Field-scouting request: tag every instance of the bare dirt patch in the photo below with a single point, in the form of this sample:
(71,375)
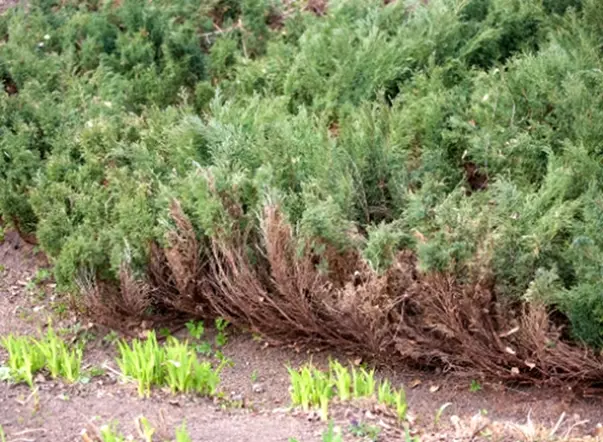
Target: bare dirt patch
(5,4)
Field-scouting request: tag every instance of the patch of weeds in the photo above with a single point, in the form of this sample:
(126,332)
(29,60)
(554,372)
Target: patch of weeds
(111,338)
(343,380)
(60,360)
(175,365)
(90,373)
(142,361)
(221,337)
(42,276)
(165,332)
(204,348)
(24,358)
(195,329)
(254,376)
(27,356)
(2,268)
(184,372)
(311,387)
(60,308)
(2,434)
(363,382)
(364,430)
(475,386)
(2,234)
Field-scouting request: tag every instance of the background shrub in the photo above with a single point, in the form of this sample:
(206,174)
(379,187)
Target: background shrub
(468,132)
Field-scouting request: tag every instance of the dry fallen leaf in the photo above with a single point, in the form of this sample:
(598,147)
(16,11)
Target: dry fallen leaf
(434,388)
(510,332)
(415,383)
(510,350)
(530,364)
(515,370)
(357,361)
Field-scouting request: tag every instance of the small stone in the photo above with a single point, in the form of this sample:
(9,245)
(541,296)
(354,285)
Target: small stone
(40,378)
(257,388)
(236,397)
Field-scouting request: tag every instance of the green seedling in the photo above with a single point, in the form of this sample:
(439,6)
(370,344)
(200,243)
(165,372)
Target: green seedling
(384,393)
(142,361)
(311,387)
(342,379)
(439,413)
(27,356)
(165,332)
(182,434)
(41,276)
(475,386)
(363,383)
(59,359)
(24,358)
(174,365)
(145,429)
(109,433)
(254,376)
(184,372)
(401,404)
(111,338)
(180,365)
(195,329)
(331,435)
(204,348)
(221,338)
(2,434)
(365,431)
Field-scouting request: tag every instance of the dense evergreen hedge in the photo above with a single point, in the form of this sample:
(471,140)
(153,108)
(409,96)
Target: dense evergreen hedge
(470,131)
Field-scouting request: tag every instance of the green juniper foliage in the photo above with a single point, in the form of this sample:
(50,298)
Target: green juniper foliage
(468,132)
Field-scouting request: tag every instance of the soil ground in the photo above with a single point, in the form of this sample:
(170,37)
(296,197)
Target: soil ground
(4,4)
(256,387)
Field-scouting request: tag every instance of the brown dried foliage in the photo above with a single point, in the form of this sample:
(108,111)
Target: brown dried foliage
(123,307)
(179,271)
(401,316)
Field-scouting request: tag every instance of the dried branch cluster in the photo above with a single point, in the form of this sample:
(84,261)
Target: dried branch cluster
(401,316)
